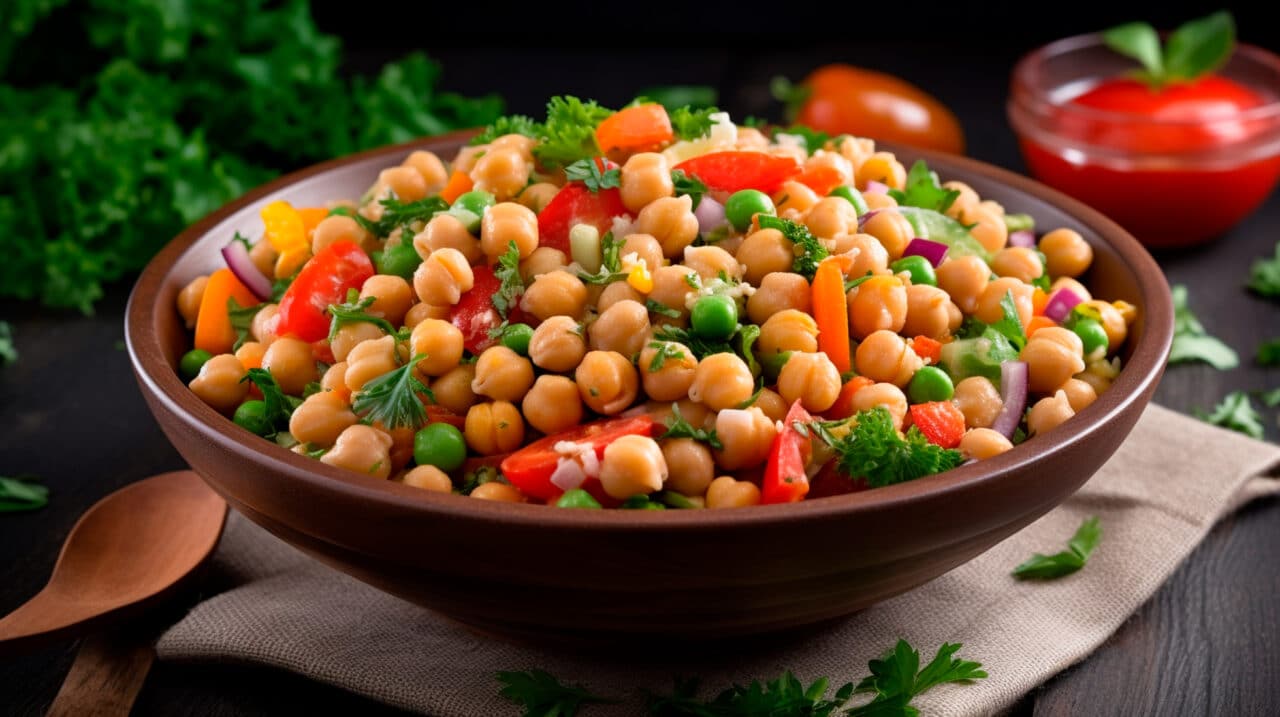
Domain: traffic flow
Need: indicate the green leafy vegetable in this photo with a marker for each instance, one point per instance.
(279, 407)
(8, 352)
(509, 124)
(811, 251)
(569, 133)
(1268, 352)
(542, 695)
(679, 427)
(396, 214)
(923, 189)
(1010, 324)
(700, 347)
(1235, 412)
(785, 696)
(689, 123)
(979, 355)
(873, 450)
(661, 309)
(939, 227)
(511, 286)
(241, 320)
(1079, 548)
(1264, 276)
(610, 262)
(688, 184)
(1196, 48)
(746, 339)
(895, 681)
(17, 496)
(589, 173)
(1019, 222)
(812, 139)
(1190, 340)
(355, 310)
(392, 398)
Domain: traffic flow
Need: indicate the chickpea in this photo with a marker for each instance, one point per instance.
(830, 217)
(869, 255)
(879, 201)
(493, 428)
(543, 260)
(645, 178)
(988, 307)
(777, 292)
(291, 364)
(430, 167)
(446, 231)
(607, 382)
(830, 162)
(503, 172)
(788, 330)
(321, 418)
(1066, 253)
(616, 292)
(369, 360)
(882, 395)
(556, 293)
(538, 195)
(1080, 394)
(765, 252)
(1066, 282)
(644, 247)
(1053, 355)
(967, 199)
(1127, 311)
(979, 401)
(453, 389)
(337, 228)
(993, 206)
(351, 335)
(500, 492)
(671, 222)
(553, 404)
(1017, 262)
(928, 312)
(392, 297)
(508, 222)
(674, 374)
(264, 257)
(440, 342)
(712, 261)
(750, 138)
(264, 323)
(1112, 322)
(810, 378)
(363, 449)
(964, 278)
(728, 492)
(428, 478)
(623, 327)
(406, 183)
(421, 312)
(990, 231)
(892, 230)
(443, 277)
(557, 344)
(877, 304)
(721, 381)
(466, 158)
(882, 167)
(502, 374)
(794, 196)
(855, 149)
(746, 434)
(885, 356)
(189, 300)
(250, 354)
(773, 404)
(1095, 381)
(522, 144)
(335, 380)
(983, 443)
(632, 465)
(690, 467)
(671, 287)
(1049, 413)
(219, 383)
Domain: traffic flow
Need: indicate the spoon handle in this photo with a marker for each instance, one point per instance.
(106, 676)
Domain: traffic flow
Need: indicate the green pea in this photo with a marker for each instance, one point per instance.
(516, 337)
(745, 204)
(252, 415)
(714, 317)
(191, 363)
(918, 267)
(469, 208)
(1091, 334)
(400, 260)
(854, 197)
(930, 384)
(440, 445)
(577, 498)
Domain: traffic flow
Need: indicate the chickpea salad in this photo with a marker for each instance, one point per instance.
(651, 309)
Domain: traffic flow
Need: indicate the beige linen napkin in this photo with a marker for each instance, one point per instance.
(1156, 498)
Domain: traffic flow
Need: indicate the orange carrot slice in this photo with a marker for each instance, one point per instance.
(635, 127)
(831, 312)
(459, 183)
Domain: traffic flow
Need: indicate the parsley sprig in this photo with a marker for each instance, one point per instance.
(875, 451)
(510, 284)
(610, 262)
(1264, 276)
(279, 406)
(510, 124)
(663, 351)
(355, 310)
(923, 189)
(810, 251)
(1235, 412)
(1079, 548)
(1190, 340)
(569, 134)
(396, 214)
(589, 172)
(687, 184)
(241, 320)
(542, 695)
(895, 681)
(690, 123)
(392, 398)
(679, 427)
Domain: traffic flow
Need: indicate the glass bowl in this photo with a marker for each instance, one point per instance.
(1169, 182)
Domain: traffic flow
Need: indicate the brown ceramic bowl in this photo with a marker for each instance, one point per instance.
(531, 570)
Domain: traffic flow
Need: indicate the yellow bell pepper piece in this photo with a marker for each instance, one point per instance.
(640, 279)
(284, 226)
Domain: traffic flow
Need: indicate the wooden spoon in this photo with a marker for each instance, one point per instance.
(131, 549)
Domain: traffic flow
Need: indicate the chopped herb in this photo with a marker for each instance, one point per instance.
(1264, 276)
(1010, 324)
(858, 281)
(924, 190)
(1190, 340)
(8, 353)
(873, 450)
(678, 427)
(754, 122)
(689, 123)
(569, 133)
(511, 286)
(242, 239)
(672, 499)
(542, 695)
(279, 407)
(746, 339)
(279, 286)
(810, 250)
(1237, 413)
(1042, 282)
(687, 184)
(663, 351)
(354, 310)
(694, 280)
(312, 389)
(510, 124)
(241, 320)
(700, 347)
(610, 262)
(21, 495)
(751, 400)
(478, 477)
(661, 309)
(812, 139)
(396, 214)
(588, 172)
(392, 398)
(1048, 567)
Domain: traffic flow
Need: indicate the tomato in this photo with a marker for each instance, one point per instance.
(575, 204)
(821, 179)
(830, 481)
(843, 407)
(440, 414)
(940, 421)
(1185, 116)
(325, 279)
(474, 314)
(927, 348)
(842, 99)
(735, 171)
(530, 468)
(784, 478)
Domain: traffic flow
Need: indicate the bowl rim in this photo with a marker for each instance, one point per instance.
(158, 379)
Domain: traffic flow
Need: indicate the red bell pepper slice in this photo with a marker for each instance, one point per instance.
(530, 468)
(325, 279)
(575, 204)
(733, 171)
(784, 477)
(843, 407)
(940, 421)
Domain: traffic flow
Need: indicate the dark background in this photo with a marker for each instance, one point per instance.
(71, 413)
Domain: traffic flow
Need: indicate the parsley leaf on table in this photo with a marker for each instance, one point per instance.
(8, 353)
(1268, 352)
(589, 173)
(875, 451)
(1190, 340)
(1048, 567)
(392, 398)
(20, 495)
(923, 189)
(1235, 412)
(1271, 398)
(895, 681)
(542, 695)
(785, 696)
(1264, 276)
(811, 250)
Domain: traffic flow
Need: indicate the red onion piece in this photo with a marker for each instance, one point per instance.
(1013, 390)
(1024, 238)
(934, 251)
(1060, 304)
(238, 261)
(862, 220)
(710, 214)
(874, 187)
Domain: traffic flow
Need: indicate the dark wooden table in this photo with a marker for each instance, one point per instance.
(1207, 643)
